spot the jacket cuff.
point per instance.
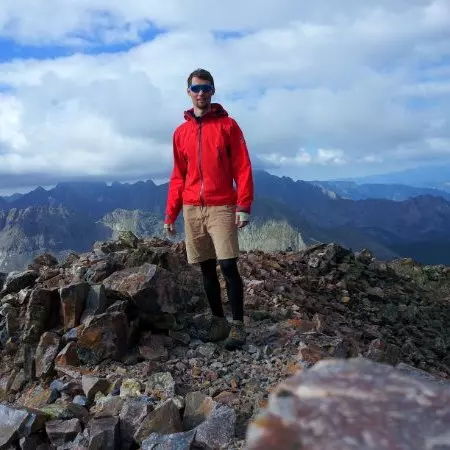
(246, 209)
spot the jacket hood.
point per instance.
(217, 110)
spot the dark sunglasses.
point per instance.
(196, 88)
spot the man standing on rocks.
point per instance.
(210, 153)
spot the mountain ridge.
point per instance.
(318, 214)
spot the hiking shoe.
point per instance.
(237, 337)
(217, 330)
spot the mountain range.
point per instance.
(434, 176)
(390, 220)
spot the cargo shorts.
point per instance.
(210, 232)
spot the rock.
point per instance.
(17, 423)
(218, 430)
(108, 407)
(197, 409)
(152, 288)
(66, 411)
(3, 277)
(104, 433)
(68, 356)
(32, 442)
(38, 397)
(161, 385)
(73, 300)
(174, 441)
(132, 415)
(130, 388)
(103, 336)
(6, 382)
(353, 404)
(15, 281)
(46, 352)
(43, 314)
(164, 420)
(81, 400)
(43, 260)
(419, 374)
(96, 302)
(61, 431)
(152, 348)
(92, 385)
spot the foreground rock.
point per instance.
(107, 346)
(354, 404)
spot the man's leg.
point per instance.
(200, 250)
(212, 286)
(224, 234)
(235, 287)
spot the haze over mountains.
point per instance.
(390, 220)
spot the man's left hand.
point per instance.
(242, 219)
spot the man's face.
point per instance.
(201, 92)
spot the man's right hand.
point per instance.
(170, 229)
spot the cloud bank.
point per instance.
(341, 89)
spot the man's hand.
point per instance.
(170, 229)
(242, 219)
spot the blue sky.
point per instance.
(321, 91)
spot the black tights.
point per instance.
(234, 286)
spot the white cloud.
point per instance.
(353, 84)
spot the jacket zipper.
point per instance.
(200, 160)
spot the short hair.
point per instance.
(200, 73)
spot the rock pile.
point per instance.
(103, 349)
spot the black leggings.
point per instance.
(233, 283)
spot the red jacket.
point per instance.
(209, 154)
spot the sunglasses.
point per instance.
(196, 88)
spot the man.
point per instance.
(210, 153)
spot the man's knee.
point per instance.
(229, 267)
(208, 266)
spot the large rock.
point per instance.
(103, 336)
(3, 277)
(15, 281)
(16, 423)
(353, 404)
(61, 431)
(152, 288)
(43, 313)
(46, 353)
(73, 300)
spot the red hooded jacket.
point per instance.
(209, 154)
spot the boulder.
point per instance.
(73, 300)
(353, 404)
(152, 288)
(103, 336)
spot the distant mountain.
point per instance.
(396, 192)
(12, 197)
(430, 176)
(286, 214)
(24, 233)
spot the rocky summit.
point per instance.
(103, 351)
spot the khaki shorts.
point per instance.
(210, 233)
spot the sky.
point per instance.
(93, 90)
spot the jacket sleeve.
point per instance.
(241, 168)
(176, 184)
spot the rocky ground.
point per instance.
(104, 347)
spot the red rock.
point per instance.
(73, 299)
(104, 336)
(46, 353)
(152, 288)
(352, 404)
(310, 354)
(68, 356)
